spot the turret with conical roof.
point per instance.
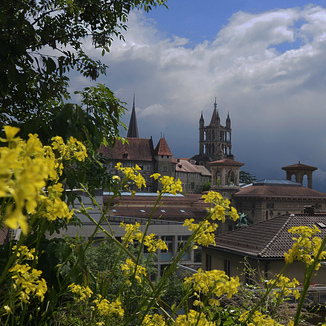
(133, 127)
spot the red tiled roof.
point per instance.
(225, 161)
(137, 149)
(183, 165)
(299, 166)
(268, 239)
(275, 191)
(162, 148)
(173, 208)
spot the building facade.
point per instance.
(140, 151)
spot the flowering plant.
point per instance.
(46, 281)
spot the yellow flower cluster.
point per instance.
(107, 308)
(54, 207)
(132, 233)
(193, 318)
(83, 293)
(130, 268)
(24, 253)
(204, 231)
(212, 284)
(150, 241)
(26, 167)
(131, 173)
(153, 320)
(73, 148)
(258, 319)
(221, 207)
(28, 283)
(284, 286)
(306, 246)
(169, 184)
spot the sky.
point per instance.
(263, 61)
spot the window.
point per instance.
(208, 262)
(165, 168)
(182, 239)
(111, 165)
(227, 267)
(270, 205)
(167, 254)
(149, 167)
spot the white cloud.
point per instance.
(266, 69)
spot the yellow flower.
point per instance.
(153, 320)
(27, 282)
(131, 269)
(214, 284)
(155, 176)
(10, 134)
(106, 308)
(193, 318)
(83, 293)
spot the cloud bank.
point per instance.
(267, 70)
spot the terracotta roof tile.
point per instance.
(278, 191)
(184, 165)
(268, 239)
(162, 148)
(173, 208)
(226, 161)
(299, 166)
(137, 149)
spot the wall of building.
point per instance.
(259, 210)
(266, 268)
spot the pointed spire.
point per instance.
(228, 121)
(133, 128)
(215, 115)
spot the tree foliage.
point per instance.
(41, 41)
(246, 177)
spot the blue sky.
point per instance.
(264, 61)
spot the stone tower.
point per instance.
(300, 171)
(215, 139)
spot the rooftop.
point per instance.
(268, 239)
(135, 149)
(279, 189)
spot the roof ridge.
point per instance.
(275, 236)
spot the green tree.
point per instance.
(40, 43)
(206, 186)
(246, 177)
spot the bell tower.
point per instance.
(215, 139)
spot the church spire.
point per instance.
(215, 116)
(228, 121)
(133, 128)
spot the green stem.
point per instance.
(267, 292)
(307, 280)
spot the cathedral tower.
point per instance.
(215, 139)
